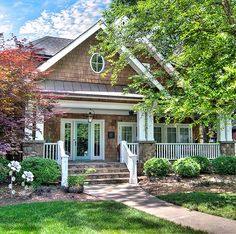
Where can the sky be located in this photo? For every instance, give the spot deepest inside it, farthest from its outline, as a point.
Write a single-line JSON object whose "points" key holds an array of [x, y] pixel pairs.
{"points": [[32, 19]]}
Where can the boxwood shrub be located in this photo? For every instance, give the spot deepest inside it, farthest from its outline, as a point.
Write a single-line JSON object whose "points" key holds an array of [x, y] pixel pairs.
{"points": [[204, 163], [186, 167], [157, 167], [3, 170], [45, 171], [225, 165]]}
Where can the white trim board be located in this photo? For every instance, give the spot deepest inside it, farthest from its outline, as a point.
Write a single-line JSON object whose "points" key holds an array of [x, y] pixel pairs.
{"points": [[80, 39], [94, 105]]}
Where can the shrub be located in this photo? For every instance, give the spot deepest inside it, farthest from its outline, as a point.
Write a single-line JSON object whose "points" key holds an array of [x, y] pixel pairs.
{"points": [[80, 179], [3, 169], [225, 165], [186, 167], [3, 161], [157, 167], [204, 163], [45, 171]]}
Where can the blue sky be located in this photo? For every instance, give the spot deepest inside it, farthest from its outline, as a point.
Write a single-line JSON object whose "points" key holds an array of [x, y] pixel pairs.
{"points": [[63, 18]]}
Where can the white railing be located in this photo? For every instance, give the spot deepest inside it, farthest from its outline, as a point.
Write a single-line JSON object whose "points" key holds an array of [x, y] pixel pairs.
{"points": [[130, 159], [56, 151], [133, 147], [173, 151], [50, 151]]}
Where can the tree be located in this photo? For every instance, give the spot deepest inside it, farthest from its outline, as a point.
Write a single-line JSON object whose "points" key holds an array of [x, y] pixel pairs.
{"points": [[197, 37], [19, 79]]}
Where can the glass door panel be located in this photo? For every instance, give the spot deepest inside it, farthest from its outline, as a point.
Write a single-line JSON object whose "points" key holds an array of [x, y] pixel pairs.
{"points": [[97, 140], [82, 133], [67, 138]]}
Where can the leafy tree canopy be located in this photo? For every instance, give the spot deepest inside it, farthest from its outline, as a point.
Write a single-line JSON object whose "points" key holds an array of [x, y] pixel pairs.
{"points": [[197, 37], [19, 79]]}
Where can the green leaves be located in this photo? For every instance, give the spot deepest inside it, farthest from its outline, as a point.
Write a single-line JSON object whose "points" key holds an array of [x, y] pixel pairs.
{"points": [[197, 37]]}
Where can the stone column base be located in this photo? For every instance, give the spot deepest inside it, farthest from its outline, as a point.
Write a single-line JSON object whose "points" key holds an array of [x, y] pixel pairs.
{"points": [[147, 150], [33, 148], [228, 148]]}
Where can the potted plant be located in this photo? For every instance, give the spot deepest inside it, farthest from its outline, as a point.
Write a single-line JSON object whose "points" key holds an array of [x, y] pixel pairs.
{"points": [[76, 183]]}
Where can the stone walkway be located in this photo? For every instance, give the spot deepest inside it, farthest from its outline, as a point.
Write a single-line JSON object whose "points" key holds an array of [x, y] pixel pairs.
{"points": [[135, 197]]}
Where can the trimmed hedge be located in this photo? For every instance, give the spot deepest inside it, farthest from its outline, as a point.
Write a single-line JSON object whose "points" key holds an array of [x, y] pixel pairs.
{"points": [[157, 167], [186, 167], [225, 165], [205, 164], [45, 171]]}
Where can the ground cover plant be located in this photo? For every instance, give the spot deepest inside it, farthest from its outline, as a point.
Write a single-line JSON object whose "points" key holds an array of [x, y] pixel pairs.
{"points": [[221, 204], [82, 217]]}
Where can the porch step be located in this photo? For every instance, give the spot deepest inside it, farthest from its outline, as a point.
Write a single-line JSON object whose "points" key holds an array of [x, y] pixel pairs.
{"points": [[108, 181], [106, 172]]}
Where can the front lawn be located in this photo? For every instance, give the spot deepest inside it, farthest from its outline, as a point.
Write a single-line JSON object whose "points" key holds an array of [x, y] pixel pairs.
{"points": [[82, 217], [221, 204]]}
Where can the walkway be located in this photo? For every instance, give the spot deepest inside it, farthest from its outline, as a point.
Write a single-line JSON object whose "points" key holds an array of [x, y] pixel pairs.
{"points": [[135, 197]]}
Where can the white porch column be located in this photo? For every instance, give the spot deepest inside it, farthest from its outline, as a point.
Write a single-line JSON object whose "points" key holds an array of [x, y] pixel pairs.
{"points": [[228, 130], [141, 126], [225, 130], [39, 136], [150, 127]]}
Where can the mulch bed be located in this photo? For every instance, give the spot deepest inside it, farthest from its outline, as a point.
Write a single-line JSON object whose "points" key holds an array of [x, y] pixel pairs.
{"points": [[43, 194], [173, 184]]}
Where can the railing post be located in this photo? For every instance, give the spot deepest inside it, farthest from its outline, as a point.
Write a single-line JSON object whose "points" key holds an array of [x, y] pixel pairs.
{"points": [[122, 151], [63, 159], [133, 178]]}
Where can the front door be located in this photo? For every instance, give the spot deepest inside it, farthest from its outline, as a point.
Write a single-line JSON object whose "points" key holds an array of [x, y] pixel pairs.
{"points": [[83, 140]]}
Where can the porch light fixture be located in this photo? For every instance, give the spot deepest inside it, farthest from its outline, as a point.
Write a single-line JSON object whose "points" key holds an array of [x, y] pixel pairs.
{"points": [[90, 115]]}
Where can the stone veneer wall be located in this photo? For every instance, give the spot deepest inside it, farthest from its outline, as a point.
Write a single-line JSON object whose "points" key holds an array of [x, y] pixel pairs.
{"points": [[228, 148], [52, 131], [33, 148]]}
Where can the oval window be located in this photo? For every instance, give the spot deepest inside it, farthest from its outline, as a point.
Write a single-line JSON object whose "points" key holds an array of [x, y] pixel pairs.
{"points": [[97, 63]]}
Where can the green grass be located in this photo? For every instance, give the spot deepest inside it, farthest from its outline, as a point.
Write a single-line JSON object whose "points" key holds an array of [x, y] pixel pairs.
{"points": [[220, 204], [82, 217]]}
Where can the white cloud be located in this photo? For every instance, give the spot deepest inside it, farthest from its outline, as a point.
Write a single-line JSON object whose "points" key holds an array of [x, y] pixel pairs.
{"points": [[5, 28], [66, 23]]}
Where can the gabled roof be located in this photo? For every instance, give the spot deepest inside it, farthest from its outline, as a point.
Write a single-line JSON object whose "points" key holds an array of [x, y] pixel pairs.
{"points": [[133, 61], [49, 46]]}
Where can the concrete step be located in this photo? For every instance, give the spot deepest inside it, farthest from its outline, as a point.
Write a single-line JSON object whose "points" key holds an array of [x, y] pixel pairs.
{"points": [[74, 170], [106, 172], [108, 181], [106, 175]]}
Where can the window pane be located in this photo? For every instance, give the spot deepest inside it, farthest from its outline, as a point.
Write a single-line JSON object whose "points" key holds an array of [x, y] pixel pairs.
{"points": [[157, 134], [171, 135], [97, 63], [126, 134], [82, 139], [97, 139], [184, 135], [68, 138]]}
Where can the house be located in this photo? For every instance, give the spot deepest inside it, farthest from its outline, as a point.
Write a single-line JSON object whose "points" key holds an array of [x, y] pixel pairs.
{"points": [[98, 116]]}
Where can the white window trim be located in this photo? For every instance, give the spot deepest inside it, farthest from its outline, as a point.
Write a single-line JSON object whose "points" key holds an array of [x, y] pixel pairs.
{"points": [[127, 124], [177, 126], [103, 63]]}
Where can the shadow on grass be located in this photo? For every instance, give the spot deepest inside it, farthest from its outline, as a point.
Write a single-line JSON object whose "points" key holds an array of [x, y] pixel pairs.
{"points": [[82, 217], [220, 204]]}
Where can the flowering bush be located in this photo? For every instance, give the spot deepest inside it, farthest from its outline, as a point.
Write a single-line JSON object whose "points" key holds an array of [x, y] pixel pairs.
{"points": [[15, 167]]}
